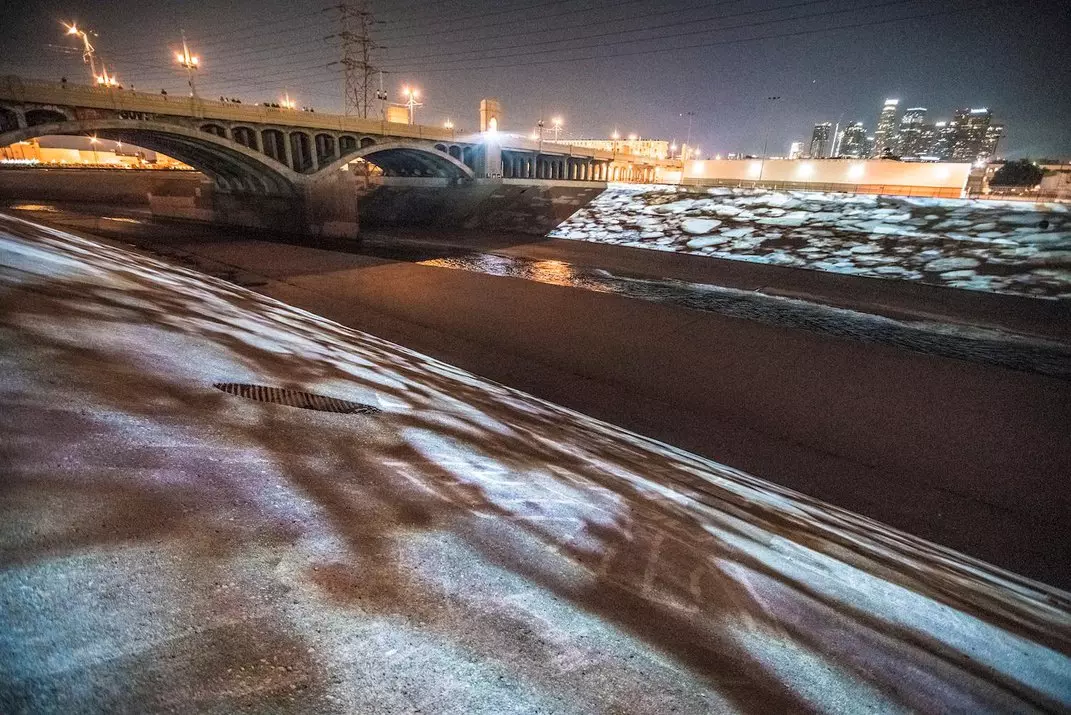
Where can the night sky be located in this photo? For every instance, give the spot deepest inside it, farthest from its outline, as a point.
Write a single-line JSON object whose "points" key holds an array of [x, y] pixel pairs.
{"points": [[720, 60]]}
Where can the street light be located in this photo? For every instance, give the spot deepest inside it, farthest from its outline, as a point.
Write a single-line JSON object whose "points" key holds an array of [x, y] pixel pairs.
{"points": [[557, 127], [189, 62], [93, 141], [448, 124], [104, 79], [411, 96], [286, 102], [766, 142], [88, 52]]}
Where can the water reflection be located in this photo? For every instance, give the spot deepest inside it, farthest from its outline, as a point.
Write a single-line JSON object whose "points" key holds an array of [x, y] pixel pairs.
{"points": [[962, 343], [557, 273]]}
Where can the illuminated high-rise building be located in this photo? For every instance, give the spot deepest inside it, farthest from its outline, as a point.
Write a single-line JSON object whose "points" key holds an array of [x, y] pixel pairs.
{"points": [[822, 141], [969, 139], [885, 134], [993, 135], [795, 151], [940, 147], [911, 140], [854, 143]]}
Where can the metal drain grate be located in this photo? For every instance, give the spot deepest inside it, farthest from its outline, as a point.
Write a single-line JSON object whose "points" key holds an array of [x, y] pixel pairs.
{"points": [[296, 398]]}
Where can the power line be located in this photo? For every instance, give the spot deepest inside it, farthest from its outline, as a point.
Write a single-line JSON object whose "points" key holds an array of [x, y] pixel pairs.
{"points": [[614, 33], [702, 45]]}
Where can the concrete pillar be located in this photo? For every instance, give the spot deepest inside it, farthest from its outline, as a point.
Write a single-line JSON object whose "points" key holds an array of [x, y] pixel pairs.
{"points": [[288, 155], [313, 154], [258, 144]]}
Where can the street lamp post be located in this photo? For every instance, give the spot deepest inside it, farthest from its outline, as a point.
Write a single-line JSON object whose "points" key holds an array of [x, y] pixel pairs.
{"points": [[189, 62], [557, 128], [411, 102], [88, 51], [688, 136], [766, 141], [93, 143]]}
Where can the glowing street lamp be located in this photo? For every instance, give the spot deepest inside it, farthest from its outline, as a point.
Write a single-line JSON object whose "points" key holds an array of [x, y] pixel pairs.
{"points": [[88, 52], [106, 80], [448, 124], [286, 102], [557, 127], [93, 141], [189, 62], [411, 96]]}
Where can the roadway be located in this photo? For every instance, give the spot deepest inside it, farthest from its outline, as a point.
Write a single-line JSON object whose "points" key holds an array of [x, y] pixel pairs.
{"points": [[467, 548], [969, 455]]}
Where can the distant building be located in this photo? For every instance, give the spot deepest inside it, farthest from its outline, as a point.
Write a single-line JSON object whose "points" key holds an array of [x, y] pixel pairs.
{"points": [[795, 150], [911, 138], [991, 143], [822, 141], [854, 143], [648, 148], [885, 134], [943, 135], [968, 141], [397, 114], [31, 152]]}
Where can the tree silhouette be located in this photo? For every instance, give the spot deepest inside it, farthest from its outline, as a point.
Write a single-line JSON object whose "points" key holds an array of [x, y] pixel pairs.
{"points": [[1018, 173]]}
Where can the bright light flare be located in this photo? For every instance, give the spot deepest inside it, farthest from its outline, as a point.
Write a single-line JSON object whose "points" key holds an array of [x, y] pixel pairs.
{"points": [[557, 121], [448, 124]]}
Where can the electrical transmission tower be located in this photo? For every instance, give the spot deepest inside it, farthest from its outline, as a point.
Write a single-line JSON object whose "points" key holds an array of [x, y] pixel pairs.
{"points": [[355, 38]]}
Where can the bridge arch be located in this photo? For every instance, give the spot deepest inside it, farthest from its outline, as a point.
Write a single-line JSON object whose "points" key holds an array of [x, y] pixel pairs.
{"points": [[403, 157], [45, 115], [230, 164]]}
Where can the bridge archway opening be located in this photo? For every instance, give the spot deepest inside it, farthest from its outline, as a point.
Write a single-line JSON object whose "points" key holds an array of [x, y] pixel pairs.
{"points": [[405, 159], [215, 129], [9, 120], [274, 144], [301, 151], [367, 142], [347, 145], [37, 117], [228, 163], [325, 148], [245, 136]]}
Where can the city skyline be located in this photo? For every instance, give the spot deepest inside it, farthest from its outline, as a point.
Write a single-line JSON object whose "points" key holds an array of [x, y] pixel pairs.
{"points": [[953, 63]]}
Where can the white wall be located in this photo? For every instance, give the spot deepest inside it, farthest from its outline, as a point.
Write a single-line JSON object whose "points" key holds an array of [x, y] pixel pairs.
{"points": [[947, 177]]}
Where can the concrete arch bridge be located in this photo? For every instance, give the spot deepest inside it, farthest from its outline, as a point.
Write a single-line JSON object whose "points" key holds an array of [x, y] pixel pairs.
{"points": [[281, 154]]}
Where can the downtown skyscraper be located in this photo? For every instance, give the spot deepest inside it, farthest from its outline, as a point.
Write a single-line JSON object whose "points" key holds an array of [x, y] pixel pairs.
{"points": [[885, 134]]}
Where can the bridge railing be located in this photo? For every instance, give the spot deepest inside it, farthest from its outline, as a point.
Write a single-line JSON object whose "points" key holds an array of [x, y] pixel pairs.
{"points": [[19, 90]]}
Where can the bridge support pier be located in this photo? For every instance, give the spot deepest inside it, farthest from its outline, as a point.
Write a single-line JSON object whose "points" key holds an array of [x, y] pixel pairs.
{"points": [[323, 208]]}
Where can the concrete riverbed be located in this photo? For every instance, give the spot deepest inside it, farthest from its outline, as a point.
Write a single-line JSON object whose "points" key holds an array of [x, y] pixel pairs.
{"points": [[968, 453]]}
